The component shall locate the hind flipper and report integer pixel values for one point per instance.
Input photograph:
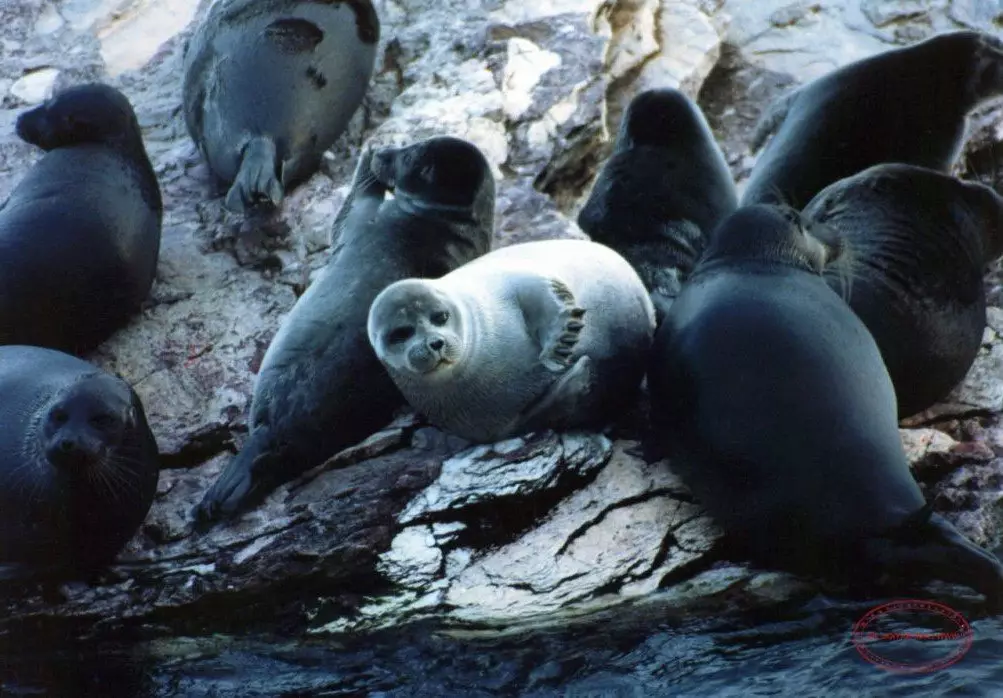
(563, 401)
(256, 185)
(245, 480)
(935, 549)
(771, 120)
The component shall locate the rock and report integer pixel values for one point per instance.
(407, 524)
(36, 86)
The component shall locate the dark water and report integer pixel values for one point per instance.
(621, 655)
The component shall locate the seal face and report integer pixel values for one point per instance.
(270, 85)
(78, 465)
(916, 244)
(320, 388)
(917, 101)
(547, 334)
(662, 191)
(88, 214)
(771, 398)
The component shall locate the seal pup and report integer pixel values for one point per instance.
(906, 105)
(547, 334)
(80, 233)
(661, 192)
(771, 399)
(269, 85)
(78, 465)
(916, 243)
(320, 388)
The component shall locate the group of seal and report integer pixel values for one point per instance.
(798, 338)
(785, 345)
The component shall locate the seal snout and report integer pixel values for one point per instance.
(28, 126)
(73, 451)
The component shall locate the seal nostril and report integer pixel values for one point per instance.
(436, 344)
(66, 446)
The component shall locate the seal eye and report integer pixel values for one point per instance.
(401, 334)
(60, 416)
(440, 318)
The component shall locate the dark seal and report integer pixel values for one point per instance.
(80, 233)
(78, 465)
(269, 85)
(915, 246)
(772, 400)
(321, 388)
(907, 105)
(661, 192)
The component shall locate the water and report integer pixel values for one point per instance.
(806, 653)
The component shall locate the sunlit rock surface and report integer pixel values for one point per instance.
(409, 524)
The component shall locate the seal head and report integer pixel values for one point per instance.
(91, 113)
(416, 329)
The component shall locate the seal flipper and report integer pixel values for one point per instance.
(771, 120)
(257, 183)
(934, 549)
(243, 479)
(551, 316)
(562, 401)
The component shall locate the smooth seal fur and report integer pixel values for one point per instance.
(320, 388)
(662, 191)
(548, 334)
(80, 233)
(78, 465)
(269, 85)
(907, 105)
(770, 397)
(916, 243)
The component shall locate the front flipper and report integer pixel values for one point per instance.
(934, 549)
(552, 318)
(365, 186)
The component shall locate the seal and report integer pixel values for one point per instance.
(917, 99)
(547, 334)
(662, 191)
(771, 398)
(916, 243)
(80, 233)
(78, 465)
(320, 388)
(269, 85)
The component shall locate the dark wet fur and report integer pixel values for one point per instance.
(328, 390)
(662, 191)
(295, 72)
(66, 520)
(80, 233)
(773, 403)
(917, 245)
(917, 100)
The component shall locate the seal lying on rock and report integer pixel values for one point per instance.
(269, 85)
(78, 465)
(80, 233)
(907, 105)
(548, 334)
(915, 245)
(662, 191)
(320, 388)
(772, 400)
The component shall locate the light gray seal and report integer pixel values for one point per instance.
(320, 388)
(269, 85)
(907, 105)
(78, 465)
(548, 334)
